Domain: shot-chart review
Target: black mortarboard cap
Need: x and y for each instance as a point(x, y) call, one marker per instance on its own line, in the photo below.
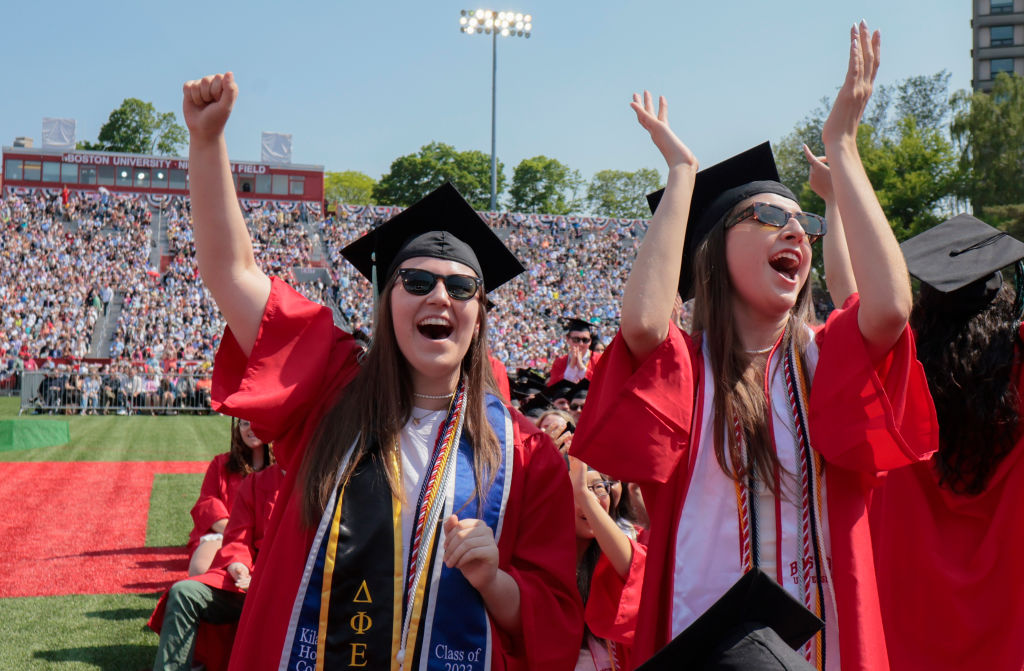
point(718, 189)
point(577, 324)
point(528, 382)
point(442, 225)
point(716, 638)
point(560, 389)
point(536, 406)
point(960, 252)
point(580, 389)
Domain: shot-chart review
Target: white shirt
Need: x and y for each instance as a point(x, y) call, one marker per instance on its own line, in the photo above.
point(707, 560)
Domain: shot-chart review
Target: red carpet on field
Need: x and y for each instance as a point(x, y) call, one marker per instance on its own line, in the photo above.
point(80, 528)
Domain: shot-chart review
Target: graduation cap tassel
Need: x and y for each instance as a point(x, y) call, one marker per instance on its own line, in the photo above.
point(376, 295)
point(1018, 286)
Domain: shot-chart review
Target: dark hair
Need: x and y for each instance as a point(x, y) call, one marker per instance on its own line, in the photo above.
point(240, 459)
point(969, 359)
point(737, 379)
point(585, 574)
point(370, 412)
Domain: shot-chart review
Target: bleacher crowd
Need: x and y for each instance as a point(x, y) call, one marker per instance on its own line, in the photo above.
point(63, 259)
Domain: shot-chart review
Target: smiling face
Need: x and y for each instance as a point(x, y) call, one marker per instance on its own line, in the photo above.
point(767, 266)
point(248, 437)
point(434, 331)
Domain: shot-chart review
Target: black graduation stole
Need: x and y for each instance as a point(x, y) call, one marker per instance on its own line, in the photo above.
point(353, 609)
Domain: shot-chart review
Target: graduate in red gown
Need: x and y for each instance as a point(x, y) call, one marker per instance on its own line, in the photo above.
point(248, 454)
point(421, 522)
point(742, 461)
point(580, 362)
point(199, 613)
point(609, 572)
point(947, 531)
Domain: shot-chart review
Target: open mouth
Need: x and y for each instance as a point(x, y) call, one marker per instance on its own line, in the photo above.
point(786, 264)
point(435, 328)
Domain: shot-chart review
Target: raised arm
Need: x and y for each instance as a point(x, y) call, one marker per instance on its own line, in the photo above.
point(223, 247)
point(878, 267)
point(654, 279)
point(838, 272)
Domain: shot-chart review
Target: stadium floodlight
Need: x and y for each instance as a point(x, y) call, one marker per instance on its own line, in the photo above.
point(506, 24)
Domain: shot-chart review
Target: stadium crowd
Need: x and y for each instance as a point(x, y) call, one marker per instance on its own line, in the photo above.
point(62, 260)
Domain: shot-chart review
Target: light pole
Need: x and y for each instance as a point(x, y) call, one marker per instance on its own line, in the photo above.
point(506, 24)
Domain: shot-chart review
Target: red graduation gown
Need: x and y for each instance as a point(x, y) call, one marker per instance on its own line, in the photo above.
point(500, 379)
point(614, 603)
point(951, 568)
point(557, 373)
point(298, 365)
point(864, 419)
point(215, 498)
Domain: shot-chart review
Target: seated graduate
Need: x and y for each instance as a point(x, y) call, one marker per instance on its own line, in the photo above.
point(216, 596)
point(948, 545)
point(743, 463)
point(248, 454)
point(421, 522)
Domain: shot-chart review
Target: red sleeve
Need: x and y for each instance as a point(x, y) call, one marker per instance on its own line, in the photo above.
point(298, 358)
point(636, 423)
point(614, 601)
point(864, 416)
point(557, 370)
point(543, 561)
point(238, 545)
point(213, 501)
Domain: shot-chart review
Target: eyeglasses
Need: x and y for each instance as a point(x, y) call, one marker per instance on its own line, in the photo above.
point(582, 340)
point(601, 488)
point(419, 282)
point(577, 405)
point(773, 215)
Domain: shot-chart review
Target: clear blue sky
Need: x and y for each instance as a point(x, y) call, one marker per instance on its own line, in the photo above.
point(361, 83)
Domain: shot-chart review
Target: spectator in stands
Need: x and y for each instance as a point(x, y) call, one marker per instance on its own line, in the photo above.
point(90, 391)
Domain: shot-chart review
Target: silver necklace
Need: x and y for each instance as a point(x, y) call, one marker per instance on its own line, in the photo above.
point(433, 396)
point(760, 351)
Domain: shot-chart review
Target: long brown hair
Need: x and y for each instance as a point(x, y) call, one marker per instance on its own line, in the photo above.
point(370, 412)
point(970, 359)
point(240, 459)
point(737, 378)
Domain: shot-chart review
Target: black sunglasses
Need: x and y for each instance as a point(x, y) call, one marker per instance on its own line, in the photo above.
point(773, 215)
point(419, 282)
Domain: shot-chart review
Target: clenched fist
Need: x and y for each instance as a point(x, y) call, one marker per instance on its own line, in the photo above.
point(207, 104)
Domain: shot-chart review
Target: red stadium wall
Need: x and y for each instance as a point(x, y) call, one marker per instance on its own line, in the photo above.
point(27, 170)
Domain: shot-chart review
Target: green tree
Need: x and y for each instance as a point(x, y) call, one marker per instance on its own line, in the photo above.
point(542, 184)
point(989, 131)
point(415, 175)
point(137, 128)
point(621, 194)
point(349, 186)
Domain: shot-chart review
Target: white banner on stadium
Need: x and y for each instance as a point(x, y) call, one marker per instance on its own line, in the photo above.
point(277, 148)
point(58, 133)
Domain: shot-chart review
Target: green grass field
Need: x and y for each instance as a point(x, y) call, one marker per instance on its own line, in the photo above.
point(72, 633)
